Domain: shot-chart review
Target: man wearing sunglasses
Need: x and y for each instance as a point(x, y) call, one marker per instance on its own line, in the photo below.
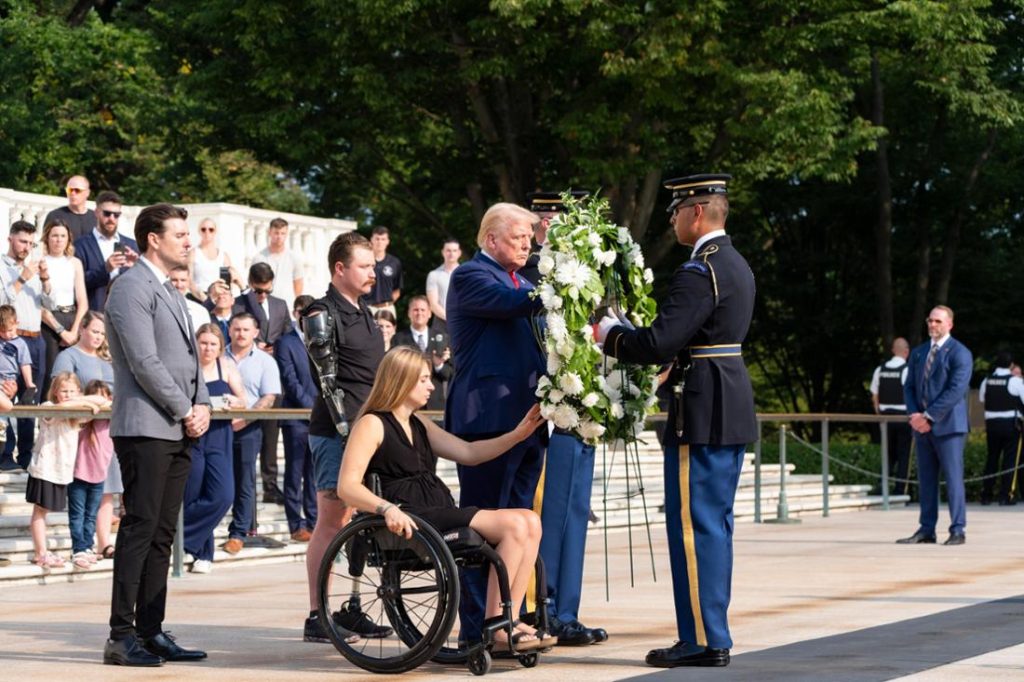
point(105, 253)
point(79, 218)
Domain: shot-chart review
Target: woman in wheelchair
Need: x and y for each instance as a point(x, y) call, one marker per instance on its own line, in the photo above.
point(389, 439)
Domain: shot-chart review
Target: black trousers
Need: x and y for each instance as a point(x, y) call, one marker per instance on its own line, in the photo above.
point(268, 452)
point(900, 436)
point(1002, 436)
point(154, 472)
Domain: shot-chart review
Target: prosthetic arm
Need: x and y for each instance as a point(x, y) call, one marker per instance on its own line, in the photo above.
point(318, 330)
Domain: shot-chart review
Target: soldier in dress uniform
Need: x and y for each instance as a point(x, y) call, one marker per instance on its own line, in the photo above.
point(1001, 392)
point(700, 328)
point(546, 205)
point(887, 398)
point(563, 496)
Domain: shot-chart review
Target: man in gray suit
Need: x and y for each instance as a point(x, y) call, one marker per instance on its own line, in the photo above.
point(160, 406)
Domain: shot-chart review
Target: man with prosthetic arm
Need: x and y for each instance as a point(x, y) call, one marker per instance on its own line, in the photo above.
point(345, 347)
point(700, 328)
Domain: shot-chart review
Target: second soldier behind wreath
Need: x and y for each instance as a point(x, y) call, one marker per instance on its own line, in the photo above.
point(563, 500)
point(700, 327)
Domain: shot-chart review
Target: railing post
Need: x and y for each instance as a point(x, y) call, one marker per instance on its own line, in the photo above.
point(178, 553)
point(782, 510)
point(885, 465)
point(757, 475)
point(824, 467)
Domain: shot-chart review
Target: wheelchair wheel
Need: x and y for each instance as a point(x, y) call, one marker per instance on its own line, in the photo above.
point(479, 663)
point(411, 585)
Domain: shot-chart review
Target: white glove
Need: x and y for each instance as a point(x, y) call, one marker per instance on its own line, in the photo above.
point(607, 323)
point(623, 320)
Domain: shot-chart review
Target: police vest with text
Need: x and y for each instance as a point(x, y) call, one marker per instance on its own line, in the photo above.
point(997, 396)
point(890, 390)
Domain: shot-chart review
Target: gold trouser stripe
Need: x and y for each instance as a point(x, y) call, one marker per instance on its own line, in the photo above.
point(1016, 468)
point(538, 505)
point(689, 545)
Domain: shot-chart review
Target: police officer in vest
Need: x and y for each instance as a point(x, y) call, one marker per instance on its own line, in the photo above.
point(1001, 393)
point(563, 497)
point(887, 398)
point(700, 327)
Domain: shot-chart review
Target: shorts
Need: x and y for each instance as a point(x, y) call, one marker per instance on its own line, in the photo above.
point(326, 452)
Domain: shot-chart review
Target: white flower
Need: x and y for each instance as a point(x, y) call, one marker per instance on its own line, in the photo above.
point(615, 380)
point(545, 265)
point(542, 382)
point(546, 293)
point(554, 363)
point(590, 430)
point(594, 239)
point(617, 411)
point(556, 327)
point(607, 258)
point(556, 303)
point(652, 400)
point(648, 275)
point(547, 410)
point(565, 347)
point(632, 389)
point(571, 383)
point(624, 236)
point(590, 399)
point(555, 396)
point(565, 417)
point(614, 395)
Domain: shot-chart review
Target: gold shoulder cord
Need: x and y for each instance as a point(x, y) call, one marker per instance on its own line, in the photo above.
point(713, 248)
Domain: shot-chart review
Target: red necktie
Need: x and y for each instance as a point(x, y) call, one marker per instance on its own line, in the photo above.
point(515, 280)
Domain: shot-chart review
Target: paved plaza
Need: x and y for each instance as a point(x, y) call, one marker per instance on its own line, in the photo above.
point(826, 599)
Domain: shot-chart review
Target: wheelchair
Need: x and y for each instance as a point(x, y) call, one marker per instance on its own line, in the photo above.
point(412, 585)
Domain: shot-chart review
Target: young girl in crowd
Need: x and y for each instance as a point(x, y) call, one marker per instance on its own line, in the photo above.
point(53, 461)
point(95, 451)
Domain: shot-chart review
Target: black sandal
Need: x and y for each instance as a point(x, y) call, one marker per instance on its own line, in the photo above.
point(506, 645)
point(108, 552)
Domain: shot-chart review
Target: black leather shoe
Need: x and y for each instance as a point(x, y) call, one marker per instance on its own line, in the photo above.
point(129, 651)
point(682, 654)
point(917, 538)
point(955, 539)
point(164, 646)
point(599, 634)
point(571, 634)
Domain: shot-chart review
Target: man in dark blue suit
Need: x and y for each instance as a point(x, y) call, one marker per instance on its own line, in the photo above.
point(936, 392)
point(497, 364)
point(104, 252)
point(297, 390)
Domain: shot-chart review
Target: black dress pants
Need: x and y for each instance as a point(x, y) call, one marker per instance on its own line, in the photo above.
point(154, 472)
point(1002, 436)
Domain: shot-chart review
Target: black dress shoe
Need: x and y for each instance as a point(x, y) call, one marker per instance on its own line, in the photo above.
point(164, 646)
point(917, 538)
point(599, 634)
point(129, 651)
point(571, 634)
point(683, 654)
point(955, 539)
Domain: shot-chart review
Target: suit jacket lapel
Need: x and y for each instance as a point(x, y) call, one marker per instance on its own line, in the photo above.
point(257, 311)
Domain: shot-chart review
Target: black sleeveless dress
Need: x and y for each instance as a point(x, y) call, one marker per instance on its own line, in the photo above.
point(407, 477)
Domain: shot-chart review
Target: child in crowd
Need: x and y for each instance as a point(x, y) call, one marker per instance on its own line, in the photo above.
point(53, 461)
point(95, 451)
point(14, 357)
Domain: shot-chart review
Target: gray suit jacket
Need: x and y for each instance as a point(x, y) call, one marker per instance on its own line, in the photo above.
point(157, 377)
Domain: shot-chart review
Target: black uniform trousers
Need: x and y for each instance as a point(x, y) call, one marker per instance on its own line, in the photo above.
point(154, 472)
point(268, 453)
point(899, 436)
point(1002, 436)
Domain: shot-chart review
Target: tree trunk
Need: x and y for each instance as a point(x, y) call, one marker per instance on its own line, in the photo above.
point(883, 228)
point(955, 227)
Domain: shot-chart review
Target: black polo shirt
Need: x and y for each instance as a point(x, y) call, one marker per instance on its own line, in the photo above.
point(358, 358)
point(388, 273)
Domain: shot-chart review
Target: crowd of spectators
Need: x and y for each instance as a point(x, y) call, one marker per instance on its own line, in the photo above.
point(54, 282)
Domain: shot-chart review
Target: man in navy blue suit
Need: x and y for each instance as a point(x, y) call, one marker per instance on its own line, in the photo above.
point(497, 364)
point(297, 390)
point(104, 252)
point(936, 393)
